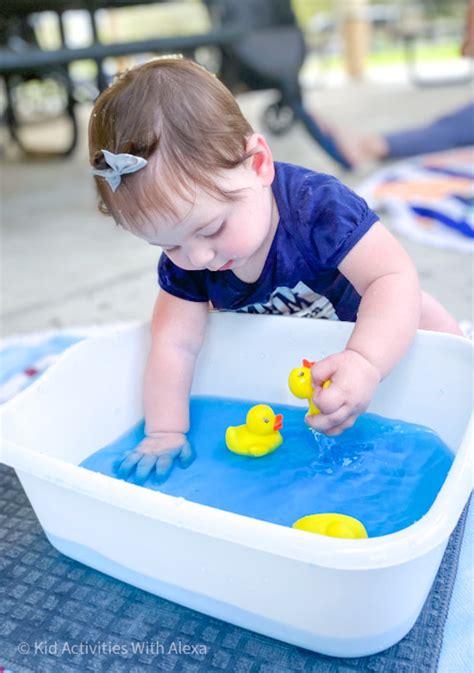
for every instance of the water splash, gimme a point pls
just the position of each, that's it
(324, 445)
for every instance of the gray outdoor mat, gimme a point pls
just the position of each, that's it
(50, 601)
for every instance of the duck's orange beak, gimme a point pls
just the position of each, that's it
(308, 363)
(278, 422)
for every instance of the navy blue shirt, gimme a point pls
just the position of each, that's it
(320, 221)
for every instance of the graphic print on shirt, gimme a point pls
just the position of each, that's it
(301, 301)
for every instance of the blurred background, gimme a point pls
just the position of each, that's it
(365, 66)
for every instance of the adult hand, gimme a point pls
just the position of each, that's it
(157, 453)
(353, 382)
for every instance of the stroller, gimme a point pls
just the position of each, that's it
(269, 55)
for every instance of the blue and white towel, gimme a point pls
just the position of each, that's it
(429, 198)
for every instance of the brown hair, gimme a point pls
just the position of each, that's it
(177, 112)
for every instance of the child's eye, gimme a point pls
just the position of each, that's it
(216, 233)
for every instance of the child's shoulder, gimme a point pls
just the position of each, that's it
(293, 174)
(299, 188)
(293, 182)
(320, 214)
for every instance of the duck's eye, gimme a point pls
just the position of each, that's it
(301, 374)
(266, 420)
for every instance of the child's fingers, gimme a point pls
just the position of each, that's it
(345, 425)
(118, 462)
(142, 464)
(327, 423)
(187, 455)
(323, 370)
(164, 465)
(127, 465)
(329, 400)
(144, 468)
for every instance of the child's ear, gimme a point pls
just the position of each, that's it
(261, 159)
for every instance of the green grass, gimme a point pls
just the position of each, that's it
(396, 55)
(441, 52)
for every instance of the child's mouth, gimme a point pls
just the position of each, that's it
(227, 265)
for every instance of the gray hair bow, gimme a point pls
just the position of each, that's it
(119, 164)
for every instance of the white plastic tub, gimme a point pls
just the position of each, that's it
(345, 598)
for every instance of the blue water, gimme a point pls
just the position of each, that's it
(384, 472)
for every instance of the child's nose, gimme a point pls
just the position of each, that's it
(200, 256)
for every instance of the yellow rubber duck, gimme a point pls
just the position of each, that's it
(259, 436)
(299, 382)
(332, 525)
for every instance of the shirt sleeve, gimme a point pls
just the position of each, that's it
(190, 285)
(332, 219)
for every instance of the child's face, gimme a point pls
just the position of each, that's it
(216, 235)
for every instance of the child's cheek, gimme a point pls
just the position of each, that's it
(178, 259)
(236, 248)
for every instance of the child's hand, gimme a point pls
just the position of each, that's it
(157, 452)
(353, 383)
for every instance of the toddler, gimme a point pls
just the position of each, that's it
(177, 164)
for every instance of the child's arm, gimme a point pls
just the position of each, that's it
(178, 328)
(389, 315)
